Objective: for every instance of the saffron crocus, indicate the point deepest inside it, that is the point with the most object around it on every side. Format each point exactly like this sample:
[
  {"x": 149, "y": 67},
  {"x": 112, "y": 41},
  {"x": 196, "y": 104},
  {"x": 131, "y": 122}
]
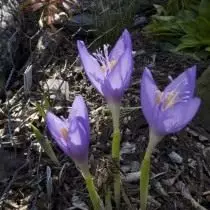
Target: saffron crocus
[
  {"x": 72, "y": 134},
  {"x": 109, "y": 73},
  {"x": 166, "y": 112},
  {"x": 171, "y": 110}
]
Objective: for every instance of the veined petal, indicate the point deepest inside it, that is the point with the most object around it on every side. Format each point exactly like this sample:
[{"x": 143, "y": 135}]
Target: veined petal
[
  {"x": 122, "y": 43},
  {"x": 91, "y": 66},
  {"x": 58, "y": 129},
  {"x": 79, "y": 141},
  {"x": 119, "y": 77},
  {"x": 148, "y": 95},
  {"x": 184, "y": 84},
  {"x": 178, "y": 116},
  {"x": 79, "y": 110}
]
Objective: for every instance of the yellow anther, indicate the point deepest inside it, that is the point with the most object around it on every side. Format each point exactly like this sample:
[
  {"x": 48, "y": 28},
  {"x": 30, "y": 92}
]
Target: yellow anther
[
  {"x": 167, "y": 100},
  {"x": 158, "y": 97},
  {"x": 64, "y": 133},
  {"x": 170, "y": 100},
  {"x": 110, "y": 66}
]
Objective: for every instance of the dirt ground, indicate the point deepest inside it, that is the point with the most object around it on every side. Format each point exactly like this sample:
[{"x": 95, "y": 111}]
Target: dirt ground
[{"x": 180, "y": 175}]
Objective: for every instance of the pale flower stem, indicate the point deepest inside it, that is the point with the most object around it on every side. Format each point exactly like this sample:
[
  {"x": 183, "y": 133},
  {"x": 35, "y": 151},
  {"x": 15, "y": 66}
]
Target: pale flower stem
[
  {"x": 108, "y": 203},
  {"x": 145, "y": 168},
  {"x": 115, "y": 109},
  {"x": 116, "y": 159},
  {"x": 144, "y": 180},
  {"x": 95, "y": 199}
]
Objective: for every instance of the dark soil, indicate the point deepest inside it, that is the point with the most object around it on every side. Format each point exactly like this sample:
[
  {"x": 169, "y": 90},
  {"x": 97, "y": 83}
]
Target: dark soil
[{"x": 23, "y": 164}]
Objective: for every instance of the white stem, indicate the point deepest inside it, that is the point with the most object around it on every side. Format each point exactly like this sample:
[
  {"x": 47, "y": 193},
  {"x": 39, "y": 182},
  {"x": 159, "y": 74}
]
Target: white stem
[
  {"x": 154, "y": 139},
  {"x": 115, "y": 109}
]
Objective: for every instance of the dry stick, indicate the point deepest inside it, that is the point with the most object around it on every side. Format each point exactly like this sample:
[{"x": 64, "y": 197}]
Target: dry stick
[
  {"x": 5, "y": 193},
  {"x": 186, "y": 194}
]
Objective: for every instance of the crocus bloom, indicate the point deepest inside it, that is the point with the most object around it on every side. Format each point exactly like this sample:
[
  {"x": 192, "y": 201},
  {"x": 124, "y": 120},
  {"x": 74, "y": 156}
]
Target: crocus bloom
[
  {"x": 109, "y": 73},
  {"x": 171, "y": 110},
  {"x": 72, "y": 134}
]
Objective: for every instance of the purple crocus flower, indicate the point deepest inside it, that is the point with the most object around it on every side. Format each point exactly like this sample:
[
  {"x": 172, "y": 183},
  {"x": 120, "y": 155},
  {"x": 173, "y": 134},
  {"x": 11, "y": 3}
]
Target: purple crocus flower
[
  {"x": 171, "y": 110},
  {"x": 109, "y": 73},
  {"x": 72, "y": 134}
]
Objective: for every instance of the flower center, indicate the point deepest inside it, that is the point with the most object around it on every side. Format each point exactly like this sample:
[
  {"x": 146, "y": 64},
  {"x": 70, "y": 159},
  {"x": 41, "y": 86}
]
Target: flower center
[
  {"x": 64, "y": 133},
  {"x": 102, "y": 57},
  {"x": 166, "y": 100},
  {"x": 179, "y": 94}
]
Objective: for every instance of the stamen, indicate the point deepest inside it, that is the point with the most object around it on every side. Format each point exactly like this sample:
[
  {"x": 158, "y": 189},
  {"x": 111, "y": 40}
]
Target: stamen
[
  {"x": 170, "y": 100},
  {"x": 158, "y": 96},
  {"x": 103, "y": 58},
  {"x": 64, "y": 133}
]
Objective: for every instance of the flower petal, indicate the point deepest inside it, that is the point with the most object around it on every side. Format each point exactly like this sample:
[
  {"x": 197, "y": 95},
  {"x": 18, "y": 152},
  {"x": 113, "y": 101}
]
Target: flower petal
[
  {"x": 123, "y": 42},
  {"x": 91, "y": 66},
  {"x": 119, "y": 78},
  {"x": 79, "y": 141},
  {"x": 148, "y": 95},
  {"x": 58, "y": 129},
  {"x": 184, "y": 83},
  {"x": 178, "y": 116},
  {"x": 79, "y": 110}
]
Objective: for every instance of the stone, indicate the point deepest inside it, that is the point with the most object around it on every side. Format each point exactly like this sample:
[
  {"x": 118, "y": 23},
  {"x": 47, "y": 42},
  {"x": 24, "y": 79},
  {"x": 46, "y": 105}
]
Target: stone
[{"x": 175, "y": 157}]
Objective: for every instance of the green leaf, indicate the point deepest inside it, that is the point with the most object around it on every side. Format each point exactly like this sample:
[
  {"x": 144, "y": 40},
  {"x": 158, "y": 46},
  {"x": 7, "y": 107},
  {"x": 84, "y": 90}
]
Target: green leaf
[
  {"x": 160, "y": 9},
  {"x": 207, "y": 49},
  {"x": 204, "y": 9},
  {"x": 164, "y": 18},
  {"x": 45, "y": 144},
  {"x": 40, "y": 109}
]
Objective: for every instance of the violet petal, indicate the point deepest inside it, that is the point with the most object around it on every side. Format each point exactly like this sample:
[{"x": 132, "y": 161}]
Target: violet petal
[
  {"x": 148, "y": 95},
  {"x": 58, "y": 129},
  {"x": 91, "y": 66}
]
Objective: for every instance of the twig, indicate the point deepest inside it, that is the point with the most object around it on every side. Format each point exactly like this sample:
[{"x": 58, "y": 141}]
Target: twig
[
  {"x": 5, "y": 193},
  {"x": 126, "y": 199},
  {"x": 6, "y": 190},
  {"x": 186, "y": 194}
]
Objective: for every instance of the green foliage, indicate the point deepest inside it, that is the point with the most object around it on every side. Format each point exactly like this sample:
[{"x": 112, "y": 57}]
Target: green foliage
[
  {"x": 111, "y": 17},
  {"x": 45, "y": 144},
  {"x": 184, "y": 23},
  {"x": 45, "y": 105}
]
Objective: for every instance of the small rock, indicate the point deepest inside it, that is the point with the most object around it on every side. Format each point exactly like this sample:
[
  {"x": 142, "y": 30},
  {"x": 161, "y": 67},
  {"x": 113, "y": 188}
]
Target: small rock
[
  {"x": 132, "y": 177},
  {"x": 125, "y": 120},
  {"x": 175, "y": 158},
  {"x": 78, "y": 204},
  {"x": 203, "y": 138},
  {"x": 191, "y": 163},
  {"x": 200, "y": 145},
  {"x": 126, "y": 168},
  {"x": 135, "y": 166},
  {"x": 192, "y": 132},
  {"x": 140, "y": 21},
  {"x": 128, "y": 148},
  {"x": 206, "y": 153},
  {"x": 174, "y": 138},
  {"x": 128, "y": 131}
]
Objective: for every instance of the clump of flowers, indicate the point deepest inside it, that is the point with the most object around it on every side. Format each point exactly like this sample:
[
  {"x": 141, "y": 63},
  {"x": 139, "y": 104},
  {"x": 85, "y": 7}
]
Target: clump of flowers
[
  {"x": 166, "y": 112},
  {"x": 51, "y": 10}
]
